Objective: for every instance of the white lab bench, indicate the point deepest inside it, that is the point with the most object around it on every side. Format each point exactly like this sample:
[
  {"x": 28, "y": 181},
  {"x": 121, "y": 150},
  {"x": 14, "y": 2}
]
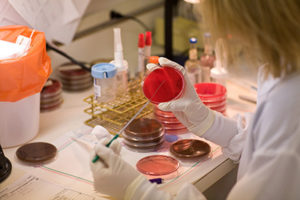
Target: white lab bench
[{"x": 70, "y": 116}]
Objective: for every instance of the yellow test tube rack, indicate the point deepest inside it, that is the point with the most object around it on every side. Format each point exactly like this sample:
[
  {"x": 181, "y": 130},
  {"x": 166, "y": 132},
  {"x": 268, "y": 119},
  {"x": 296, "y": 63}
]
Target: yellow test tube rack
[{"x": 114, "y": 115}]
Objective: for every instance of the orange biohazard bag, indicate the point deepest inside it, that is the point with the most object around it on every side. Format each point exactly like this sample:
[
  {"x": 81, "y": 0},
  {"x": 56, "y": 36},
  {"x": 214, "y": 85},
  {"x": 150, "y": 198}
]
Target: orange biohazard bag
[{"x": 24, "y": 76}]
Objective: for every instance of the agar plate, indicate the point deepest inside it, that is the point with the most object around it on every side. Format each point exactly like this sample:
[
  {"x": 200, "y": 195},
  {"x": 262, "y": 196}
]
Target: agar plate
[
  {"x": 144, "y": 128},
  {"x": 157, "y": 165},
  {"x": 36, "y": 152},
  {"x": 189, "y": 148}
]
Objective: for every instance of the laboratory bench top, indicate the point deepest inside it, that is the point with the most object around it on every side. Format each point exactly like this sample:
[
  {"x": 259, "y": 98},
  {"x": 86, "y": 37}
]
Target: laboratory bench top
[{"x": 70, "y": 117}]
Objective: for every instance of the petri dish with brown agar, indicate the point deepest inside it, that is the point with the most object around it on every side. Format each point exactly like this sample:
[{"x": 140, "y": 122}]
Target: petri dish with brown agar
[
  {"x": 37, "y": 152},
  {"x": 157, "y": 165},
  {"x": 190, "y": 148},
  {"x": 163, "y": 84},
  {"x": 144, "y": 128}
]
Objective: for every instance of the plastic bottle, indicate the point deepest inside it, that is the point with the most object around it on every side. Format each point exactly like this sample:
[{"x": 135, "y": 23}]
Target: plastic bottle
[
  {"x": 192, "y": 65},
  {"x": 207, "y": 59},
  {"x": 120, "y": 63},
  {"x": 104, "y": 82}
]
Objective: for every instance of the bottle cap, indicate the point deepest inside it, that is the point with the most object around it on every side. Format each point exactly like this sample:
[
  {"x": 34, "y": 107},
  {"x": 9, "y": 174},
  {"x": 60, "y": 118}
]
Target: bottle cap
[
  {"x": 193, "y": 40},
  {"x": 141, "y": 43},
  {"x": 153, "y": 59},
  {"x": 148, "y": 38},
  {"x": 104, "y": 70}
]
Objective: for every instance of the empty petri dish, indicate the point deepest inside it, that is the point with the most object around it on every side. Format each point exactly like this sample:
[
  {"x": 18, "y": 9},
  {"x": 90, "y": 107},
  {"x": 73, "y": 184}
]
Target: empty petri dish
[
  {"x": 36, "y": 152},
  {"x": 189, "y": 148},
  {"x": 163, "y": 84},
  {"x": 144, "y": 128},
  {"x": 157, "y": 165}
]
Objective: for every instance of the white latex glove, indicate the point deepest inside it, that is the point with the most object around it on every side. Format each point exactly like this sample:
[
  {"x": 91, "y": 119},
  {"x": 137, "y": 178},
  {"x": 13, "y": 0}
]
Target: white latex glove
[
  {"x": 111, "y": 173},
  {"x": 188, "y": 109}
]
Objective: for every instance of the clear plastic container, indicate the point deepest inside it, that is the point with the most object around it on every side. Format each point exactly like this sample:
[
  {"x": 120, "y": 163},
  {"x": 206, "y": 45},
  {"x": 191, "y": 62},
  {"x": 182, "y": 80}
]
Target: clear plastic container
[
  {"x": 192, "y": 65},
  {"x": 104, "y": 82}
]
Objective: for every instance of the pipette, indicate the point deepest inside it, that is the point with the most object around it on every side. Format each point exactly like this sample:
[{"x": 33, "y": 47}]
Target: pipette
[{"x": 127, "y": 124}]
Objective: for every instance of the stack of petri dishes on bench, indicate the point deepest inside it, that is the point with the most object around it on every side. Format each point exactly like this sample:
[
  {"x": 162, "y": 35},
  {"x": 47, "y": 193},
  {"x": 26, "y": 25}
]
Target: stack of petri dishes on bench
[
  {"x": 213, "y": 95},
  {"x": 170, "y": 122},
  {"x": 144, "y": 134},
  {"x": 51, "y": 97}
]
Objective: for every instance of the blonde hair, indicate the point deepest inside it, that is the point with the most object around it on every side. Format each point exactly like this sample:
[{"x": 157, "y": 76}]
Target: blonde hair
[{"x": 269, "y": 30}]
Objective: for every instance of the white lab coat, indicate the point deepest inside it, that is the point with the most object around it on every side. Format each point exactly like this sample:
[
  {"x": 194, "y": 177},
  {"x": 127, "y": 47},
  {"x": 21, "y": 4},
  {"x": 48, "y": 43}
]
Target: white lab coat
[{"x": 267, "y": 148}]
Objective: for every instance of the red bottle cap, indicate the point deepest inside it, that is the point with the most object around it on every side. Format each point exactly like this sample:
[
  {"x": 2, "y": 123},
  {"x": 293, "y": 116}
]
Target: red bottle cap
[
  {"x": 148, "y": 38},
  {"x": 141, "y": 43}
]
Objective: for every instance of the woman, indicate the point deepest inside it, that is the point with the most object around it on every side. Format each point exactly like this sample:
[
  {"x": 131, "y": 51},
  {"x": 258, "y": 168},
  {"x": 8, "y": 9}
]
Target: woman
[{"x": 268, "y": 147}]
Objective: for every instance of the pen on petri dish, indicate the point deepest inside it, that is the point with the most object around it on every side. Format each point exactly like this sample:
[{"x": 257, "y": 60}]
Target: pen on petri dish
[
  {"x": 141, "y": 56},
  {"x": 148, "y": 44}
]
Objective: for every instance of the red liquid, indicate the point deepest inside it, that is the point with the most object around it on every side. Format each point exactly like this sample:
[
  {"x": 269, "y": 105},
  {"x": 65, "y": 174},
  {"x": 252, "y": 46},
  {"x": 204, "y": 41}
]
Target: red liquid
[{"x": 163, "y": 84}]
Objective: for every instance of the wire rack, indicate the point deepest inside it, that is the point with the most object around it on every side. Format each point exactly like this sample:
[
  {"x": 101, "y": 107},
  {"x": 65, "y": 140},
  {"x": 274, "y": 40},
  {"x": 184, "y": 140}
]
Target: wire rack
[{"x": 114, "y": 115}]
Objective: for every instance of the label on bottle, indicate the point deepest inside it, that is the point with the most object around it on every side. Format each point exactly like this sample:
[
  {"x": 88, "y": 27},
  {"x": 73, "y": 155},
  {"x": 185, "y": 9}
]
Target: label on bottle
[{"x": 97, "y": 90}]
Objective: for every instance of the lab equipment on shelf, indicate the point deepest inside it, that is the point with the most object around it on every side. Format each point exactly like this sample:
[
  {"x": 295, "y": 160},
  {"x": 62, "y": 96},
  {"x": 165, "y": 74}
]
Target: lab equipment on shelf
[
  {"x": 192, "y": 65},
  {"x": 207, "y": 59}
]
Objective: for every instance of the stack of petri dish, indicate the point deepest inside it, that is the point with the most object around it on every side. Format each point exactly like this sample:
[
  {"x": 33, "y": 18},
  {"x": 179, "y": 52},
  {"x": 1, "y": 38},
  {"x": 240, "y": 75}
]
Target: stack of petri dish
[
  {"x": 74, "y": 78},
  {"x": 171, "y": 124},
  {"x": 213, "y": 95},
  {"x": 51, "y": 97},
  {"x": 144, "y": 134}
]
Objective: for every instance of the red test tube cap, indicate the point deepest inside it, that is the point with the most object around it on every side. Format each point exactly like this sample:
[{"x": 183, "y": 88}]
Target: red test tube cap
[
  {"x": 148, "y": 38},
  {"x": 141, "y": 43}
]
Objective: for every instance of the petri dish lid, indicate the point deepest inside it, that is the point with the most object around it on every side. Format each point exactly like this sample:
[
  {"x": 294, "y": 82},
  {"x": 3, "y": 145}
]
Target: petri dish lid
[
  {"x": 36, "y": 152},
  {"x": 163, "y": 113},
  {"x": 210, "y": 90},
  {"x": 144, "y": 127},
  {"x": 189, "y": 148},
  {"x": 157, "y": 165},
  {"x": 163, "y": 84}
]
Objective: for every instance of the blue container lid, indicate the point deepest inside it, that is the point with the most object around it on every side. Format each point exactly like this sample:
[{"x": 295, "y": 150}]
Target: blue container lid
[
  {"x": 193, "y": 40},
  {"x": 104, "y": 70}
]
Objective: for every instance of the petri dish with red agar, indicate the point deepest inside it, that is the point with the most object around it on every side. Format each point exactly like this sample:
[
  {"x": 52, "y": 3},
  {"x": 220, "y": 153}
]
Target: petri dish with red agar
[
  {"x": 157, "y": 165},
  {"x": 163, "y": 84},
  {"x": 51, "y": 97},
  {"x": 190, "y": 148}
]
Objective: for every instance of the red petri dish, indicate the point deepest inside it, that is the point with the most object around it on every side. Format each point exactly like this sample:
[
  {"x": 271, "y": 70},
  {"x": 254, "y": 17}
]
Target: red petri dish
[
  {"x": 176, "y": 131},
  {"x": 174, "y": 126},
  {"x": 163, "y": 84},
  {"x": 210, "y": 90},
  {"x": 190, "y": 148},
  {"x": 163, "y": 113},
  {"x": 166, "y": 120},
  {"x": 157, "y": 165},
  {"x": 51, "y": 88}
]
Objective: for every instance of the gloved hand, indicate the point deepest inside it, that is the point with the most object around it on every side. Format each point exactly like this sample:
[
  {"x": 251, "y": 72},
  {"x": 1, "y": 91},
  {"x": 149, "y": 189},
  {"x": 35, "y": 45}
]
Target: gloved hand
[
  {"x": 111, "y": 173},
  {"x": 188, "y": 109}
]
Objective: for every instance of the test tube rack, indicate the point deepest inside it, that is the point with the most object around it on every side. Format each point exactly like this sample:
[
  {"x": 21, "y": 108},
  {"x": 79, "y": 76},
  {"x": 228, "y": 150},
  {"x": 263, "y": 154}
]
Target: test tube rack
[{"x": 114, "y": 115}]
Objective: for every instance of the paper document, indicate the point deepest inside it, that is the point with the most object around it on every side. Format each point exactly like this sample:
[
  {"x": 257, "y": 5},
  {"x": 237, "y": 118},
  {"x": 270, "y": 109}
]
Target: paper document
[{"x": 32, "y": 187}]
